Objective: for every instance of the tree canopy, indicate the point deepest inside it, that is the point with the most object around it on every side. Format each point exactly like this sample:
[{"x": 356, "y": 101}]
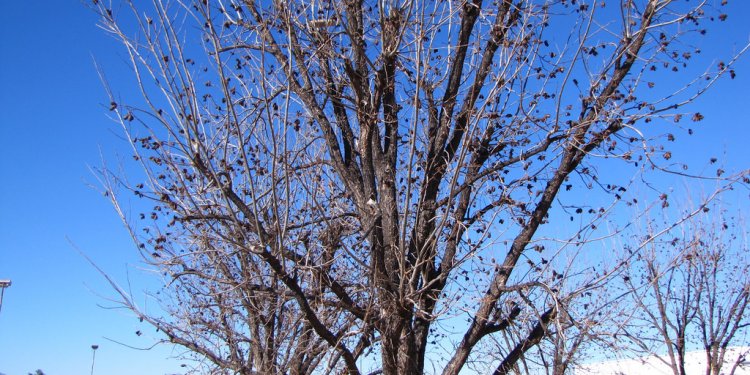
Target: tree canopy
[{"x": 388, "y": 186}]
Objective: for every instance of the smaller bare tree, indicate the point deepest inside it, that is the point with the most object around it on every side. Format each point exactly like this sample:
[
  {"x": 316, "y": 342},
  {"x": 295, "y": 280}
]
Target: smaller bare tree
[{"x": 691, "y": 292}]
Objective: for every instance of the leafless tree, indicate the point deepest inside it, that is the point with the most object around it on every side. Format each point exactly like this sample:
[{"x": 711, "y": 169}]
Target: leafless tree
[
  {"x": 692, "y": 292},
  {"x": 363, "y": 185}
]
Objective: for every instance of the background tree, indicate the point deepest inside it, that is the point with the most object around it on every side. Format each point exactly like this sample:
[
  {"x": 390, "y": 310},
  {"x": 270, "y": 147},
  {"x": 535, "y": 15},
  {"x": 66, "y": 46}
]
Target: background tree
[
  {"x": 599, "y": 316},
  {"x": 692, "y": 291},
  {"x": 331, "y": 180}
]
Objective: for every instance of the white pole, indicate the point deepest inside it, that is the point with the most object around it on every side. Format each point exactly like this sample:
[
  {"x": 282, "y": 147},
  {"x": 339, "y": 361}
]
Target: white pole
[
  {"x": 93, "y": 357},
  {"x": 3, "y": 284}
]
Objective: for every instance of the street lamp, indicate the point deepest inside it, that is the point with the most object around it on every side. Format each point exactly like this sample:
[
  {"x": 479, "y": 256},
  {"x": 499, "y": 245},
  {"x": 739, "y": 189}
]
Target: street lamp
[
  {"x": 93, "y": 356},
  {"x": 3, "y": 284}
]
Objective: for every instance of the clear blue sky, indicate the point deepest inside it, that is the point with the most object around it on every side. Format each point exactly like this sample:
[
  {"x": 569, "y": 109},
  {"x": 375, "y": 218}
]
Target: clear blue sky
[{"x": 54, "y": 125}]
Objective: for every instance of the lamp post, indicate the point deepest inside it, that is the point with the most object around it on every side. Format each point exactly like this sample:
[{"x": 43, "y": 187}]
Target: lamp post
[
  {"x": 3, "y": 284},
  {"x": 93, "y": 356}
]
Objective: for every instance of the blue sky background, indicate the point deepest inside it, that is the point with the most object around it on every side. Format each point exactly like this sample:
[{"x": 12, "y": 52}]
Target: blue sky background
[{"x": 55, "y": 127}]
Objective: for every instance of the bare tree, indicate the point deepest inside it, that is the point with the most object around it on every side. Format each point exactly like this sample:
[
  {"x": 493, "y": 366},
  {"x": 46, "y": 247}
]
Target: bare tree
[
  {"x": 338, "y": 179},
  {"x": 692, "y": 292}
]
